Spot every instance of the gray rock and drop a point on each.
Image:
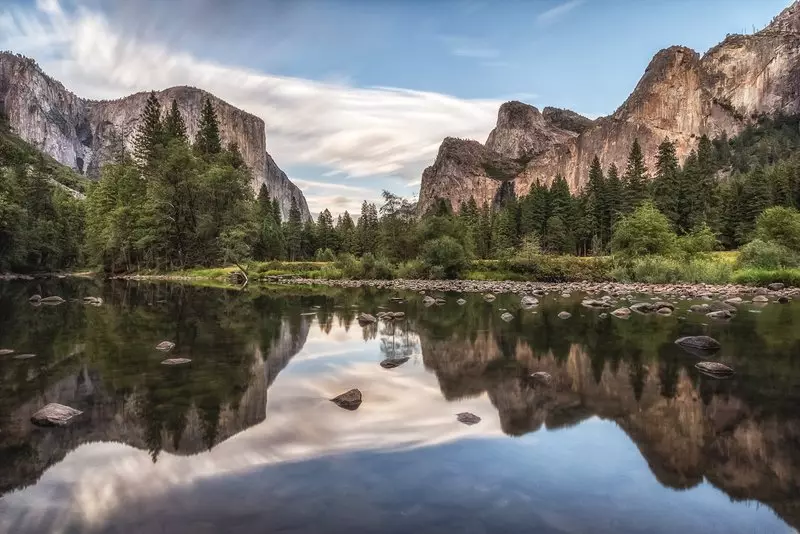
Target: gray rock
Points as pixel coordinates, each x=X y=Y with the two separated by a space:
x=664 y=311
x=391 y=363
x=24 y=356
x=528 y=302
x=4 y=352
x=55 y=414
x=783 y=299
x=428 y=301
x=760 y=298
x=564 y=315
x=398 y=314
x=714 y=369
x=461 y=302
x=642 y=307
x=489 y=297
x=721 y=314
x=603 y=315
x=699 y=342
x=541 y=377
x=349 y=400
x=622 y=313
x=660 y=305
x=591 y=303
x=734 y=300
x=721 y=306
x=165 y=346
x=468 y=418
x=35 y=298
x=777 y=286
x=176 y=361
x=699 y=308
x=52 y=300
x=93 y=301
x=365 y=319
x=507 y=317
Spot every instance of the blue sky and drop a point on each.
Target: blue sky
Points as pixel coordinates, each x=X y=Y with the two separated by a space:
x=357 y=95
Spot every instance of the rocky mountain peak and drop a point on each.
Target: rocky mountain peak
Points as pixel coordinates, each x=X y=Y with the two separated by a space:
x=788 y=20
x=567 y=119
x=522 y=131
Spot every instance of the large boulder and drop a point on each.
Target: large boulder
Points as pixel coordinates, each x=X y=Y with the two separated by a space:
x=165 y=346
x=391 y=363
x=714 y=369
x=699 y=343
x=365 y=319
x=55 y=414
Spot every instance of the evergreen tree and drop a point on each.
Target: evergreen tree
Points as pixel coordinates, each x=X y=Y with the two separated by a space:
x=666 y=186
x=276 y=211
x=208 y=142
x=150 y=138
x=504 y=236
x=174 y=126
x=635 y=179
x=614 y=200
x=325 y=232
x=595 y=195
x=557 y=237
x=345 y=228
x=294 y=230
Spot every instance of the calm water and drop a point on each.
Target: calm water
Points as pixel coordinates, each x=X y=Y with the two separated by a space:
x=629 y=437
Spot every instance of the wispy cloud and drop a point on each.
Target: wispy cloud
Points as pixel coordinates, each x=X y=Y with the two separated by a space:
x=553 y=14
x=373 y=131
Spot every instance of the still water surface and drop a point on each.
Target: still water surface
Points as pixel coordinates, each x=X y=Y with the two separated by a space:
x=628 y=438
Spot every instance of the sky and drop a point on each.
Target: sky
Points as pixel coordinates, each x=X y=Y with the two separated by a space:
x=357 y=95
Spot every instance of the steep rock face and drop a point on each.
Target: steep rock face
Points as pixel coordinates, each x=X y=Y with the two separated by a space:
x=84 y=134
x=522 y=132
x=681 y=96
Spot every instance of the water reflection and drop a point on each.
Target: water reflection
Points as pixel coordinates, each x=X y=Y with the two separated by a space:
x=172 y=443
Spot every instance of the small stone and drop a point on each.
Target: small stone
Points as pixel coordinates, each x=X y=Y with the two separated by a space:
x=398 y=314
x=365 y=319
x=591 y=303
x=349 y=400
x=760 y=298
x=564 y=315
x=428 y=301
x=566 y=295
x=489 y=297
x=391 y=363
x=542 y=377
x=734 y=300
x=721 y=314
x=603 y=315
x=698 y=308
x=622 y=313
x=714 y=369
x=461 y=302
x=664 y=311
x=468 y=418
x=699 y=342
x=528 y=302
x=24 y=356
x=55 y=414
x=176 y=361
x=4 y=352
x=53 y=300
x=783 y=299
x=660 y=305
x=93 y=301
x=507 y=317
x=165 y=346
x=35 y=298
x=642 y=307
x=776 y=286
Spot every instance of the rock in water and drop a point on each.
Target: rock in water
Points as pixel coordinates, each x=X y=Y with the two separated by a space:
x=664 y=311
x=468 y=418
x=699 y=342
x=733 y=300
x=53 y=300
x=642 y=307
x=489 y=297
x=55 y=415
x=591 y=303
x=24 y=356
x=398 y=314
x=721 y=306
x=365 y=319
x=542 y=377
x=165 y=346
x=714 y=369
x=721 y=314
x=529 y=302
x=660 y=305
x=176 y=361
x=622 y=313
x=35 y=298
x=391 y=363
x=507 y=317
x=783 y=299
x=760 y=299
x=349 y=400
x=777 y=286
x=4 y=352
x=461 y=302
x=93 y=301
x=564 y=315
x=428 y=301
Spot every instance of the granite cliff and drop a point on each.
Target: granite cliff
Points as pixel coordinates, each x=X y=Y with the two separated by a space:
x=84 y=134
x=682 y=95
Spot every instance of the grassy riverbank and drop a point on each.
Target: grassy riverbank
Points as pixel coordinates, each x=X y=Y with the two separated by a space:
x=715 y=268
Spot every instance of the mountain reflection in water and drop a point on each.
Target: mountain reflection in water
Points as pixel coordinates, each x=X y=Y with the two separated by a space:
x=244 y=439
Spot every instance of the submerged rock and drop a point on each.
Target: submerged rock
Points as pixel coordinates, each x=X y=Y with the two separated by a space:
x=721 y=306
x=349 y=400
x=777 y=286
x=55 y=414
x=468 y=418
x=564 y=315
x=699 y=342
x=35 y=298
x=664 y=311
x=4 y=352
x=760 y=298
x=391 y=363
x=642 y=307
x=176 y=361
x=528 y=301
x=699 y=308
x=721 y=314
x=622 y=313
x=541 y=377
x=461 y=302
x=165 y=346
x=428 y=301
x=714 y=369
x=24 y=356
x=733 y=300
x=783 y=299
x=489 y=297
x=661 y=305
x=365 y=319
x=93 y=301
x=507 y=317
x=591 y=303
x=53 y=300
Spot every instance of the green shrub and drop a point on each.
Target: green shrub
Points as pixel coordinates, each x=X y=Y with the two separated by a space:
x=411 y=270
x=444 y=258
x=761 y=277
x=767 y=255
x=700 y=241
x=644 y=232
x=780 y=225
x=324 y=254
x=667 y=270
x=349 y=266
x=545 y=268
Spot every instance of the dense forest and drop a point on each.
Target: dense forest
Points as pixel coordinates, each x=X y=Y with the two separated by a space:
x=171 y=204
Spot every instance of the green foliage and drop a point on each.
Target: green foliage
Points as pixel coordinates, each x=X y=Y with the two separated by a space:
x=208 y=143
x=780 y=225
x=701 y=240
x=646 y=231
x=325 y=254
x=445 y=258
x=768 y=255
x=762 y=277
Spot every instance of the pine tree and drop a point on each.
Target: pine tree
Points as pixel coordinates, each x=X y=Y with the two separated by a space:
x=614 y=200
x=635 y=179
x=208 y=143
x=149 y=139
x=666 y=187
x=294 y=231
x=276 y=211
x=345 y=228
x=174 y=126
x=504 y=237
x=325 y=233
x=595 y=194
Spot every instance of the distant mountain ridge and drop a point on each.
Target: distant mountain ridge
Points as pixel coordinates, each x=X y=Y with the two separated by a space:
x=681 y=96
x=84 y=134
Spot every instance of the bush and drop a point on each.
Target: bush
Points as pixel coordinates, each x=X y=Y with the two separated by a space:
x=411 y=270
x=767 y=255
x=762 y=277
x=780 y=225
x=444 y=258
x=644 y=232
x=349 y=266
x=700 y=241
x=546 y=268
x=324 y=254
x=667 y=270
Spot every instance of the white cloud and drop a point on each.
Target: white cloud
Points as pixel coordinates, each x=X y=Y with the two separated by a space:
x=555 y=13
x=356 y=131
